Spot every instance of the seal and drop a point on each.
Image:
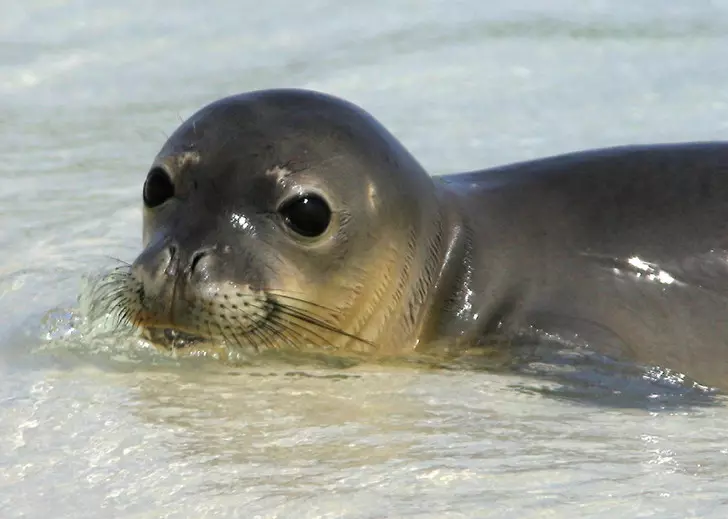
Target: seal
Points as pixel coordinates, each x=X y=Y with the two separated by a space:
x=293 y=219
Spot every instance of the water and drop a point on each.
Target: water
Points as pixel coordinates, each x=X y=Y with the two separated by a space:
x=99 y=426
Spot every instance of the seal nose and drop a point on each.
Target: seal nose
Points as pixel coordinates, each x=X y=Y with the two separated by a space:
x=162 y=262
x=157 y=260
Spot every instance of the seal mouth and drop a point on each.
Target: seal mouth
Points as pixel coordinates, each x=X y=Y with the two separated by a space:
x=172 y=339
x=236 y=318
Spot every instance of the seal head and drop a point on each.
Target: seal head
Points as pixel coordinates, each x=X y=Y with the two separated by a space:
x=285 y=218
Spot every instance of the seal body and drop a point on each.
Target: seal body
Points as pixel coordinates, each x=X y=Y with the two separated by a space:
x=623 y=250
x=290 y=218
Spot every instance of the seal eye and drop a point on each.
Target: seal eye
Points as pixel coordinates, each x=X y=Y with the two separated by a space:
x=158 y=188
x=308 y=215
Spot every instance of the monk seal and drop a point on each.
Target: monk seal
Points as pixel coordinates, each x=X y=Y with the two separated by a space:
x=290 y=218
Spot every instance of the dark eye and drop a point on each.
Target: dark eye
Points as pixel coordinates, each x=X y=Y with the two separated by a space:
x=158 y=188
x=308 y=215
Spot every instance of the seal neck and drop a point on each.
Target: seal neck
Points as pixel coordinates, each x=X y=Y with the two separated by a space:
x=474 y=293
x=453 y=261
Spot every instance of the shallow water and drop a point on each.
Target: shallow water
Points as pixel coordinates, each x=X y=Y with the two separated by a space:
x=99 y=426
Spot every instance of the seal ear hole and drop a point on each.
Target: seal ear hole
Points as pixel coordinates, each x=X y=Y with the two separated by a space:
x=158 y=188
x=307 y=215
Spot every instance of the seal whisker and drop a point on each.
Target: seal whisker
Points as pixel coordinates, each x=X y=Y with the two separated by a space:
x=284 y=295
x=109 y=288
x=112 y=297
x=112 y=304
x=253 y=333
x=212 y=334
x=267 y=327
x=131 y=317
x=254 y=338
x=311 y=319
x=277 y=317
x=123 y=263
x=233 y=343
x=308 y=318
x=119 y=272
x=116 y=301
x=274 y=330
x=257 y=330
x=282 y=325
x=116 y=296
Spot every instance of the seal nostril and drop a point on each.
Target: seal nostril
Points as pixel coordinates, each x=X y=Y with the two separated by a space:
x=171 y=268
x=195 y=259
